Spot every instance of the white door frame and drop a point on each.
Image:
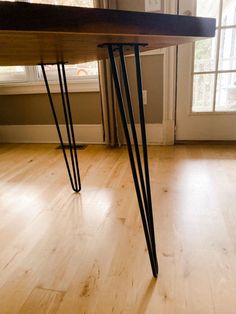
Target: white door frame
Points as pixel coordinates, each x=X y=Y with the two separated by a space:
x=170 y=6
x=208 y=126
x=167 y=128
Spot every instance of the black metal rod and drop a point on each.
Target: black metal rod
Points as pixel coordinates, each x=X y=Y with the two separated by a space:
x=131 y=157
x=132 y=123
x=135 y=139
x=67 y=124
x=74 y=183
x=56 y=123
x=144 y=142
x=71 y=126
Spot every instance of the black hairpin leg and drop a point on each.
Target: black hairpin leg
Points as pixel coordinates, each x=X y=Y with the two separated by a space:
x=73 y=165
x=141 y=178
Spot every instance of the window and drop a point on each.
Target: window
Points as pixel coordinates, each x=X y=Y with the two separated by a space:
x=12 y=73
x=32 y=74
x=76 y=3
x=214 y=75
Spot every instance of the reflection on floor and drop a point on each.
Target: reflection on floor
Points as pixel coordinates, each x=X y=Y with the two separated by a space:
x=85 y=253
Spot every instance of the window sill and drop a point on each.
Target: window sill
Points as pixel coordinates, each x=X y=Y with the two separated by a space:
x=83 y=86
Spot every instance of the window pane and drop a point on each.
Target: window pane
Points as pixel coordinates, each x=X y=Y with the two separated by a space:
x=12 y=73
x=228 y=49
x=78 y=3
x=208 y=8
x=203 y=92
x=205 y=55
x=83 y=70
x=226 y=92
x=229 y=12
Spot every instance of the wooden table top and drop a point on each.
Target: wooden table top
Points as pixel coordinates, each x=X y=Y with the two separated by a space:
x=33 y=33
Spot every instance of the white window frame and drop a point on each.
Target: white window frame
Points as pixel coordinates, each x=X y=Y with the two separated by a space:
x=34 y=84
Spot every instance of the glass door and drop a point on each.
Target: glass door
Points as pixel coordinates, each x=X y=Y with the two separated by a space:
x=206 y=102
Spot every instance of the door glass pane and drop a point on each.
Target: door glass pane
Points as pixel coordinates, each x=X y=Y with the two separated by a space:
x=228 y=49
x=205 y=55
x=229 y=12
x=208 y=8
x=226 y=92
x=203 y=92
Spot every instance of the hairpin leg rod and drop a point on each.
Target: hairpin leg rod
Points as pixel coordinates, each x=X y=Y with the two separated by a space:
x=144 y=144
x=73 y=165
x=142 y=185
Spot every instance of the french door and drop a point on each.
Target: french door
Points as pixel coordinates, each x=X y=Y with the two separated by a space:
x=206 y=76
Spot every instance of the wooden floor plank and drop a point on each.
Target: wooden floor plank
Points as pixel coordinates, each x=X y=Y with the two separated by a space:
x=63 y=252
x=42 y=301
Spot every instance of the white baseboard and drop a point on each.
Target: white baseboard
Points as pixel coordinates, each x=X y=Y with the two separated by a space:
x=84 y=133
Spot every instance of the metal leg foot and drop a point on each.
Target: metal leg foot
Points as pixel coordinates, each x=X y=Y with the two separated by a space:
x=140 y=176
x=73 y=165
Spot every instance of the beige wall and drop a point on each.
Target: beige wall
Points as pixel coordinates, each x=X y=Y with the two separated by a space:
x=152 y=69
x=152 y=75
x=137 y=5
x=35 y=109
x=86 y=107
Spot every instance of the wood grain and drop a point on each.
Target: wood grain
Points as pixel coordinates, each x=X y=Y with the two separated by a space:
x=42 y=301
x=85 y=253
x=34 y=33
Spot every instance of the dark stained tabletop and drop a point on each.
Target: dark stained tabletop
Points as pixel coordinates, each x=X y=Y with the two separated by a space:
x=34 y=33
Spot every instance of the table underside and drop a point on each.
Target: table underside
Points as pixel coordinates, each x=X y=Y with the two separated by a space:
x=32 y=33
x=25 y=48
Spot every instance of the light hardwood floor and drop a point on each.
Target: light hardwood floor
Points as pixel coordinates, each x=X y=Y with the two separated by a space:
x=69 y=253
